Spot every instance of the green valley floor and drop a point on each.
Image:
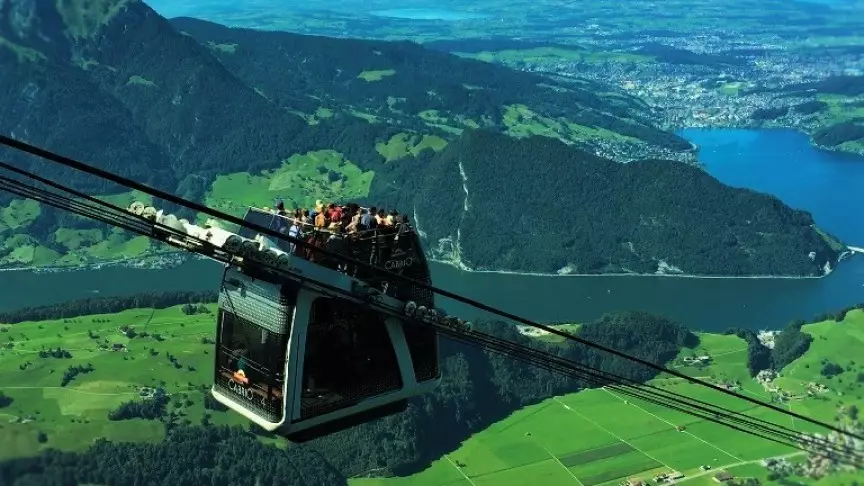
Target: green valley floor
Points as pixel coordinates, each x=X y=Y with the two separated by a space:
x=590 y=438
x=600 y=437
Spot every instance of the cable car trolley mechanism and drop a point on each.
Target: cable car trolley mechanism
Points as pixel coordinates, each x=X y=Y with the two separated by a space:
x=299 y=350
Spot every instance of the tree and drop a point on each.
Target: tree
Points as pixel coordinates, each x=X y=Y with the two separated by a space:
x=830 y=369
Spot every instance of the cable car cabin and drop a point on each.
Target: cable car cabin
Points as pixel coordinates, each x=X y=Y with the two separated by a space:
x=302 y=361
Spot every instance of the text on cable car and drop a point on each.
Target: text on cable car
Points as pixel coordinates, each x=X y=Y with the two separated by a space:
x=245 y=392
x=397 y=264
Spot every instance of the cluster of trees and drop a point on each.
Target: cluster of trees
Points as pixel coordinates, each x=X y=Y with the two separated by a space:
x=763 y=114
x=192 y=309
x=837 y=316
x=189 y=456
x=58 y=353
x=614 y=218
x=5 y=400
x=810 y=107
x=790 y=344
x=830 y=369
x=151 y=408
x=107 y=305
x=74 y=371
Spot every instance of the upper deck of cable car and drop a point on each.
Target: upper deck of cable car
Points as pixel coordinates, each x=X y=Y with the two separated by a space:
x=381 y=239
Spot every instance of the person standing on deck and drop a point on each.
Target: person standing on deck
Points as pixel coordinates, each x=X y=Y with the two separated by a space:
x=295 y=232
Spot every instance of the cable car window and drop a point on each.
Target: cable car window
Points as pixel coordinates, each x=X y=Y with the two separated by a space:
x=250 y=365
x=349 y=357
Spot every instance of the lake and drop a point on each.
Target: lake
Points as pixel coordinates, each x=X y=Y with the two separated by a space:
x=777 y=161
x=427 y=14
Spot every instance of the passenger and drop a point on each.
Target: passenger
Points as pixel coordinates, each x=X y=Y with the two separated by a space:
x=366 y=219
x=381 y=217
x=354 y=225
x=319 y=208
x=321 y=219
x=296 y=231
x=334 y=244
x=337 y=214
x=280 y=206
x=391 y=218
x=373 y=211
x=345 y=220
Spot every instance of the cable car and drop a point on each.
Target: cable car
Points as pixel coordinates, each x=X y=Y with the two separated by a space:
x=307 y=355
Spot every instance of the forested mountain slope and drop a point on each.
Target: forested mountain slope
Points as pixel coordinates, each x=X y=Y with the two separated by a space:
x=236 y=117
x=578 y=213
x=407 y=83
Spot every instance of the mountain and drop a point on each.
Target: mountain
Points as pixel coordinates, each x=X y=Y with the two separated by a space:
x=579 y=213
x=408 y=84
x=235 y=117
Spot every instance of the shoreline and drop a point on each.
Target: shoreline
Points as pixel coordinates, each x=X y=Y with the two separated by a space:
x=802 y=130
x=463 y=268
x=178 y=258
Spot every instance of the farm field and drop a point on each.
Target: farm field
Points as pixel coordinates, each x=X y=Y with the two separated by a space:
x=602 y=438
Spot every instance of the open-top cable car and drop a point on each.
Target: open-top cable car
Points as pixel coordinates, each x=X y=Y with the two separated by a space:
x=293 y=353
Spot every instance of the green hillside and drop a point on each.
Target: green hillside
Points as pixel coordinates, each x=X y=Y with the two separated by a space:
x=642 y=217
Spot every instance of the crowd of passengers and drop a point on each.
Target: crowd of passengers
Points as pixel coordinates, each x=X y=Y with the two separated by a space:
x=334 y=220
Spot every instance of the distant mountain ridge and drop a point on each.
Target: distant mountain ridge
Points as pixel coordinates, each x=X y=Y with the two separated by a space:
x=234 y=117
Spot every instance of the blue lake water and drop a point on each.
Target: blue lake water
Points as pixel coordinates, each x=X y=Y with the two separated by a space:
x=427 y=14
x=783 y=163
x=776 y=161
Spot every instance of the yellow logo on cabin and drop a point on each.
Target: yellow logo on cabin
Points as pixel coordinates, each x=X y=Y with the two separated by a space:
x=240 y=377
